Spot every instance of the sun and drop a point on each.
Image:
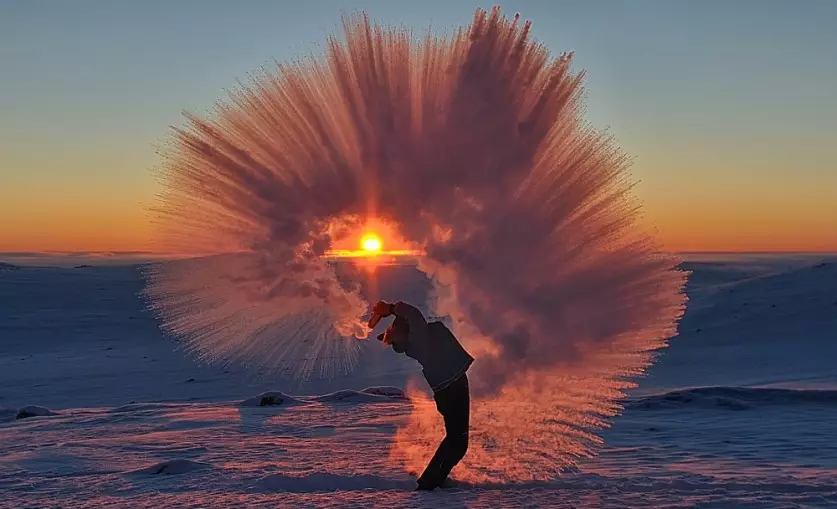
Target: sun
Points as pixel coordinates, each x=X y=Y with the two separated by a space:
x=374 y=243
x=371 y=243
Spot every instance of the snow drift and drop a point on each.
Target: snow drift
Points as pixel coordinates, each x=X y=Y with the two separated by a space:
x=368 y=395
x=33 y=411
x=269 y=398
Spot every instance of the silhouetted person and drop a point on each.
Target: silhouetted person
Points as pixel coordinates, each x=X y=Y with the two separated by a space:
x=445 y=364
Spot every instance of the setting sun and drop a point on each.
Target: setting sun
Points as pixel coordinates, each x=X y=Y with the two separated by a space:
x=371 y=243
x=374 y=242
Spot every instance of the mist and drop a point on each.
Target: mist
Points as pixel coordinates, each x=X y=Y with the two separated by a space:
x=476 y=148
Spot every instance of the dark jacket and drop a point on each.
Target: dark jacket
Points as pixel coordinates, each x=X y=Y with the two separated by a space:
x=432 y=344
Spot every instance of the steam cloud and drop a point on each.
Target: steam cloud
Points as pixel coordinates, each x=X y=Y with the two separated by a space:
x=475 y=146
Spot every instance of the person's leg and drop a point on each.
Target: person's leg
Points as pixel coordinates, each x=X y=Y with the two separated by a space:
x=457 y=424
x=427 y=480
x=453 y=403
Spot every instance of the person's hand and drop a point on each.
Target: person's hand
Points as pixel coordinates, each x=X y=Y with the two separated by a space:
x=385 y=337
x=381 y=309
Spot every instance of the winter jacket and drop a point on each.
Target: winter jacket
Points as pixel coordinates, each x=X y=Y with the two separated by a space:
x=433 y=345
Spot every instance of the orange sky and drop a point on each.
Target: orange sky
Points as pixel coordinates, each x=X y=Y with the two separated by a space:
x=108 y=225
x=68 y=199
x=714 y=203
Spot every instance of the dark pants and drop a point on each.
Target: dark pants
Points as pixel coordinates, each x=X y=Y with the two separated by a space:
x=453 y=402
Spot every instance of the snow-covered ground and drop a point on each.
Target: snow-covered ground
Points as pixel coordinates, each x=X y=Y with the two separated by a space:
x=98 y=409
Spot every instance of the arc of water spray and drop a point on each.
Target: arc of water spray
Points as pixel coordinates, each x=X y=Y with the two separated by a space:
x=475 y=146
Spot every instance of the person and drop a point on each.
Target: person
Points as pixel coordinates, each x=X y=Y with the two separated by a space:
x=444 y=365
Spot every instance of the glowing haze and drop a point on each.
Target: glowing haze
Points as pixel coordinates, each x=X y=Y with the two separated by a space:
x=473 y=151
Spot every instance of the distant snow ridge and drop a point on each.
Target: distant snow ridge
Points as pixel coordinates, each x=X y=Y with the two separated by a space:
x=368 y=395
x=269 y=398
x=735 y=398
x=385 y=390
x=11 y=414
x=33 y=411
x=376 y=394
x=8 y=267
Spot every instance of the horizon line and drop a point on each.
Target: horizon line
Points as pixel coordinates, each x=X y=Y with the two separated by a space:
x=341 y=253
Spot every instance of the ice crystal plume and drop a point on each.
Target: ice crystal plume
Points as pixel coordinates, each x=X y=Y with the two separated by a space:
x=475 y=146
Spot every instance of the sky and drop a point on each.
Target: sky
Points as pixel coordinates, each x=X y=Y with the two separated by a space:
x=728 y=109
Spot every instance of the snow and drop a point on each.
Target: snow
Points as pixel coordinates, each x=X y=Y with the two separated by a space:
x=33 y=411
x=269 y=398
x=171 y=467
x=368 y=395
x=323 y=482
x=389 y=392
x=735 y=398
x=740 y=410
x=8 y=414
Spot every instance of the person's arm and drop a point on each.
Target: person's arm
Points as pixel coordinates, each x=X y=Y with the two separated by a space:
x=399 y=343
x=396 y=340
x=415 y=320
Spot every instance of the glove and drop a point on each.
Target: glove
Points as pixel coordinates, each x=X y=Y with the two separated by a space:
x=386 y=336
x=381 y=309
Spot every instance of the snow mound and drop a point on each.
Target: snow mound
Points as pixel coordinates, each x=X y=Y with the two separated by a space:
x=368 y=395
x=172 y=467
x=324 y=482
x=384 y=390
x=33 y=411
x=269 y=398
x=735 y=398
